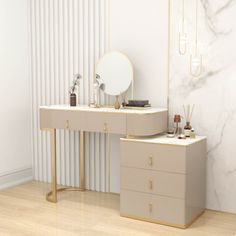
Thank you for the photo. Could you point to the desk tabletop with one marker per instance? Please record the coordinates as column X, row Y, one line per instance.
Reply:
column 104, row 109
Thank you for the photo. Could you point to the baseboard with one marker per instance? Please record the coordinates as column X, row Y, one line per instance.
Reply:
column 15, row 177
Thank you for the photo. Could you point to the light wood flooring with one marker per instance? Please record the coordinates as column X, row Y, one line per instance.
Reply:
column 24, row 211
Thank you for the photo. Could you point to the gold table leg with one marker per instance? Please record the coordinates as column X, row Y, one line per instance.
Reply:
column 82, row 161
column 52, row 195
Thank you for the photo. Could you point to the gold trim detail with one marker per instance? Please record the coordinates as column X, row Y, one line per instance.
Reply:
column 163, row 222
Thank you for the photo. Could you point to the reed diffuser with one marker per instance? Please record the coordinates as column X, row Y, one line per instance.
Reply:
column 188, row 113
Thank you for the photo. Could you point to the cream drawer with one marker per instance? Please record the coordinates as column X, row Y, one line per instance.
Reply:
column 161, row 157
column 166, row 209
column 106, row 122
column 148, row 124
column 152, row 207
column 154, row 182
column 59, row 119
column 135, row 204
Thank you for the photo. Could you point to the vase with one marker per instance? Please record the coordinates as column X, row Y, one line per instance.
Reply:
column 72, row 99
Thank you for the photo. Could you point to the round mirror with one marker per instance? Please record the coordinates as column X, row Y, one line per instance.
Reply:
column 114, row 73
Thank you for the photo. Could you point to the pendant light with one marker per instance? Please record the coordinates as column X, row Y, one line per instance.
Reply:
column 195, row 57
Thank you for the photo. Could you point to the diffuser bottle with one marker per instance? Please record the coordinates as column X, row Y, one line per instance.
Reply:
column 187, row 129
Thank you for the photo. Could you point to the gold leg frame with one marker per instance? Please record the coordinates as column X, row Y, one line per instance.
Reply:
column 52, row 195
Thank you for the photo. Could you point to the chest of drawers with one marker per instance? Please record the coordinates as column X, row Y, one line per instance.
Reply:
column 163, row 180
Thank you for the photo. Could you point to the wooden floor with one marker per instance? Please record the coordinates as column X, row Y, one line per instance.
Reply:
column 24, row 211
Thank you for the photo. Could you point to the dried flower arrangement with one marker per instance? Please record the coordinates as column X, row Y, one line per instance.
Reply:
column 75, row 83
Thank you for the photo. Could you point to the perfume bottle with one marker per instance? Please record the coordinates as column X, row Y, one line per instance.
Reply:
column 192, row 133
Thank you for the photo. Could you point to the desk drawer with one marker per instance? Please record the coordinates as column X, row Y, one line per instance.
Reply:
column 106, row 122
column 150, row 156
column 155, row 182
column 152, row 207
column 59, row 119
column 148, row 124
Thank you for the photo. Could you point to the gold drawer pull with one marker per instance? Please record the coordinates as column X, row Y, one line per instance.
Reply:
column 67, row 124
column 150, row 184
column 150, row 161
column 105, row 127
column 150, row 207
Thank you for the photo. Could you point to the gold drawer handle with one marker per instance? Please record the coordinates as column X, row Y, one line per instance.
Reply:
column 150, row 207
column 67, row 124
column 150, row 185
column 105, row 127
column 150, row 161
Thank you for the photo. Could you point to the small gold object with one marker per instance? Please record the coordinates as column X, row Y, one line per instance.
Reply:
column 67, row 124
column 150, row 184
column 150, row 161
column 105, row 127
column 117, row 104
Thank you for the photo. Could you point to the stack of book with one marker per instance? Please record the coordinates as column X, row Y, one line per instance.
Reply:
column 137, row 104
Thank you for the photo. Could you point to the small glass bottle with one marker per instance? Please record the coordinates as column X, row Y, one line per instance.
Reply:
column 72, row 99
column 192, row 133
column 187, row 129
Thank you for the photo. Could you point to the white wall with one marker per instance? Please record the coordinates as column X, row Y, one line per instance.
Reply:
column 139, row 28
column 15, row 154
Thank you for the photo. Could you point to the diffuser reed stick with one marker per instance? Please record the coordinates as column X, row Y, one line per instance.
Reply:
column 188, row 112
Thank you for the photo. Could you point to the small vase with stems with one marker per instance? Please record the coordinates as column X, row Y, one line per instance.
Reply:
column 72, row 90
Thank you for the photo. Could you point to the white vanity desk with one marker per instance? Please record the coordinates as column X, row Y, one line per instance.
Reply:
column 106, row 120
column 162, row 180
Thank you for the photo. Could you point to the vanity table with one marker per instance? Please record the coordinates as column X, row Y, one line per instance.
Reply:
column 162, row 180
column 144, row 122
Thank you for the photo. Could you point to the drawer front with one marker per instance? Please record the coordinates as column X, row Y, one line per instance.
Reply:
column 152, row 207
column 146, row 124
column 135, row 204
column 57, row 119
column 150, row 156
column 168, row 209
column 106, row 122
column 148, row 181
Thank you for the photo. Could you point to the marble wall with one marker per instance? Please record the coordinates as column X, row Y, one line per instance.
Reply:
column 213, row 93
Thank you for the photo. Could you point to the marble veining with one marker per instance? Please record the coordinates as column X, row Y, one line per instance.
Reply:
column 213, row 93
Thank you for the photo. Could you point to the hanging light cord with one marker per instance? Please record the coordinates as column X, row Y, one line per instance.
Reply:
column 199, row 59
column 182, row 34
column 196, row 33
column 183, row 18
